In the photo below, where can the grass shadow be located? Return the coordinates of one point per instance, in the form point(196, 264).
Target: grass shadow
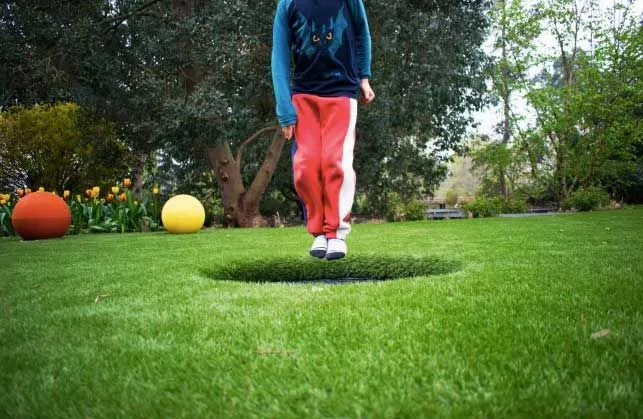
point(355, 268)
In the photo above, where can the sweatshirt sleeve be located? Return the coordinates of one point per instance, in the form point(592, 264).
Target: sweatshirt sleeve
point(362, 37)
point(280, 64)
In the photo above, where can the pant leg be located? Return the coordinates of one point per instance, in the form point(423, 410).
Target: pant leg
point(300, 203)
point(338, 118)
point(307, 161)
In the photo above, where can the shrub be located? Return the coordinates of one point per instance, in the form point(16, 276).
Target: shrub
point(451, 198)
point(394, 208)
point(57, 146)
point(587, 199)
point(361, 204)
point(514, 206)
point(399, 210)
point(483, 206)
point(414, 210)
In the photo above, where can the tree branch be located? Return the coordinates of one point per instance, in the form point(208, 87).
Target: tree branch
point(577, 22)
point(263, 176)
point(249, 140)
point(122, 18)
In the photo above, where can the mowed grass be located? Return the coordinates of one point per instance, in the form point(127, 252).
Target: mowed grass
point(544, 318)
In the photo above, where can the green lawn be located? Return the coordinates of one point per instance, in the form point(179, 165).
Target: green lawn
point(138, 325)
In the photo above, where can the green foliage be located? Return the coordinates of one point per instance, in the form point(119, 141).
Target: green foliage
point(484, 206)
point(452, 197)
point(129, 215)
point(514, 205)
point(586, 100)
point(361, 205)
point(180, 76)
point(414, 210)
point(399, 209)
point(58, 147)
point(395, 207)
point(275, 204)
point(497, 163)
point(490, 206)
point(587, 199)
point(421, 112)
point(6, 209)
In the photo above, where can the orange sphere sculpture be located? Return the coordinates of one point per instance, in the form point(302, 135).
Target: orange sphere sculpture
point(41, 215)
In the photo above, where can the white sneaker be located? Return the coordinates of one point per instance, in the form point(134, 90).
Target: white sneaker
point(336, 249)
point(318, 249)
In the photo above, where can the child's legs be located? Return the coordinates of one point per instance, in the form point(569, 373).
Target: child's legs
point(307, 161)
point(338, 117)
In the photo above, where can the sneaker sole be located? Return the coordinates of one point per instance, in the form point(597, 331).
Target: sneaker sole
point(318, 253)
point(335, 255)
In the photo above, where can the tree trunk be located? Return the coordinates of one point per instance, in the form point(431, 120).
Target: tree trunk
point(562, 173)
point(137, 172)
point(506, 95)
point(241, 206)
point(252, 198)
point(228, 176)
point(505, 141)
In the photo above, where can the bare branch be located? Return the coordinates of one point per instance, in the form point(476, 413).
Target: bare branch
point(251, 139)
point(578, 18)
point(121, 18)
point(263, 176)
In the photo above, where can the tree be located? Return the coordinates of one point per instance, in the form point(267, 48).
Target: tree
point(57, 147)
point(192, 78)
point(613, 115)
point(588, 101)
point(429, 77)
point(514, 31)
point(62, 51)
point(220, 98)
point(227, 98)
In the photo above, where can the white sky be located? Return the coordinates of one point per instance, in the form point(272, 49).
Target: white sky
point(489, 118)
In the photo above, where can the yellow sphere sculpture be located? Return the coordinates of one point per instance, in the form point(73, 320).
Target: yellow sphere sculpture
point(183, 214)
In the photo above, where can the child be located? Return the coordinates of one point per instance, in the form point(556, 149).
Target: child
point(331, 46)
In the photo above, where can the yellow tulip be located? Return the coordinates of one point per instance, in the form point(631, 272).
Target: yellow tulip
point(2, 202)
point(96, 190)
point(115, 190)
point(155, 190)
point(127, 182)
point(66, 194)
point(78, 198)
point(27, 191)
point(21, 192)
point(54, 193)
point(41, 189)
point(5, 197)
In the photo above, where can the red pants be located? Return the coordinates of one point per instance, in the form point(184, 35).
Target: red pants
point(323, 162)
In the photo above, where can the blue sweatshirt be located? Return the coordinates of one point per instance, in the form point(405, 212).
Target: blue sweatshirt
point(331, 46)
